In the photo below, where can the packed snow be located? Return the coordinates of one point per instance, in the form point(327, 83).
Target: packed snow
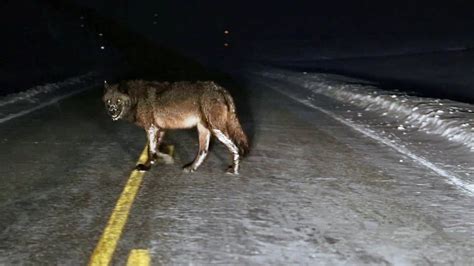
point(33, 94)
point(435, 133)
point(24, 102)
point(451, 120)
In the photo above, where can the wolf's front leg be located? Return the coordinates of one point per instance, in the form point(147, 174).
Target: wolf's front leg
point(166, 158)
point(153, 133)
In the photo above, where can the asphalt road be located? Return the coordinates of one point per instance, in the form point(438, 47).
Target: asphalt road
point(312, 191)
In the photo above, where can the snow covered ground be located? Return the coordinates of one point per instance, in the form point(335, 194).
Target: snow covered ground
point(436, 133)
point(27, 101)
point(330, 179)
point(316, 189)
point(341, 171)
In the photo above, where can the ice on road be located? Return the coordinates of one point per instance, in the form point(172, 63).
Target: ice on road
point(313, 190)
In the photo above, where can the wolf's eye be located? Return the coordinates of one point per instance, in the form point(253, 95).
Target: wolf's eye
point(108, 101)
point(119, 101)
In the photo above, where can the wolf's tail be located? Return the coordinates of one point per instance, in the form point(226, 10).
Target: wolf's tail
point(233, 126)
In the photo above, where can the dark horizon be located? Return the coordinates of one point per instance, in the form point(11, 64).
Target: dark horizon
point(331, 29)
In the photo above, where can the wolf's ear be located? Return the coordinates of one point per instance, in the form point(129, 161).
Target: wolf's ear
point(106, 86)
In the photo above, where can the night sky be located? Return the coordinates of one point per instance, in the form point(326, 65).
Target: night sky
point(201, 23)
point(33, 38)
point(181, 21)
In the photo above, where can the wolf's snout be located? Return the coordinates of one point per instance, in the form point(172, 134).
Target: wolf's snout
point(113, 110)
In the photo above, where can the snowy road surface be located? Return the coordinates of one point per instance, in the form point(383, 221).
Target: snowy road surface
point(315, 189)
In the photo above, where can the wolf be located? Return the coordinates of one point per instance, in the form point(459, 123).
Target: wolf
point(160, 106)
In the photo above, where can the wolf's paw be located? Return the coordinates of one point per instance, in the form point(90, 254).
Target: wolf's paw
point(142, 168)
point(232, 171)
point(154, 159)
point(188, 168)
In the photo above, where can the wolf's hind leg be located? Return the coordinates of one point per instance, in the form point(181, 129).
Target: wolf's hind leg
point(204, 139)
point(224, 138)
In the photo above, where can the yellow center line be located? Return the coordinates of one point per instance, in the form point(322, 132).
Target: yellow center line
point(108, 241)
point(139, 257)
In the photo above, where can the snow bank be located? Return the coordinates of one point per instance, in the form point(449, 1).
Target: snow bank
point(451, 120)
point(33, 94)
point(22, 103)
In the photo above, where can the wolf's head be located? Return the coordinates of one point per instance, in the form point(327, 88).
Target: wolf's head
point(117, 101)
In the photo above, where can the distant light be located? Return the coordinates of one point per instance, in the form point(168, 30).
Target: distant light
point(154, 22)
point(81, 17)
point(100, 34)
point(226, 45)
point(226, 32)
point(102, 47)
point(82, 25)
point(156, 15)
